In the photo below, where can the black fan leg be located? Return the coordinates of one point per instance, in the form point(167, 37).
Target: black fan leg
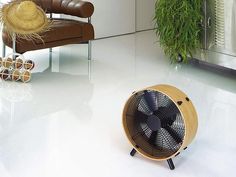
point(132, 153)
point(171, 164)
point(185, 148)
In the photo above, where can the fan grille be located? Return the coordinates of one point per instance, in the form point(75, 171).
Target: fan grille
point(155, 123)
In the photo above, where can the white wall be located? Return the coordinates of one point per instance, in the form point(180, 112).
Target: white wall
point(116, 17)
point(144, 14)
point(113, 17)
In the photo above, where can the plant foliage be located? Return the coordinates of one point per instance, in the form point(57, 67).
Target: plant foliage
point(178, 26)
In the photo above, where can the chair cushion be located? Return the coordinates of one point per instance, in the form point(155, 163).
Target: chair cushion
point(62, 32)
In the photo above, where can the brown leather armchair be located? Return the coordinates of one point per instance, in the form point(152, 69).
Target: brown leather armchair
point(63, 31)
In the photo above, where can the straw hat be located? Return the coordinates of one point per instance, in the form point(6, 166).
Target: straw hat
point(24, 18)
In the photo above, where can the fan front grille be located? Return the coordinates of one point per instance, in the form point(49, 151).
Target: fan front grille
point(155, 124)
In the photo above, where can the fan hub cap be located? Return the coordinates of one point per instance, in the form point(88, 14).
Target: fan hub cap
point(154, 123)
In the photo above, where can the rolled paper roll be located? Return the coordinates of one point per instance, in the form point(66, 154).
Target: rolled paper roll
point(5, 74)
point(16, 75)
point(0, 61)
point(29, 65)
point(1, 73)
point(11, 68)
point(18, 63)
point(25, 76)
point(7, 63)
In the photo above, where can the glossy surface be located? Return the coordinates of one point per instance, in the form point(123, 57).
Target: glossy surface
point(67, 120)
point(218, 33)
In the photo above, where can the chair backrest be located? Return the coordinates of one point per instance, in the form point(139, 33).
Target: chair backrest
point(45, 5)
point(78, 8)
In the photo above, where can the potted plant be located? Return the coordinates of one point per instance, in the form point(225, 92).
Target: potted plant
point(178, 25)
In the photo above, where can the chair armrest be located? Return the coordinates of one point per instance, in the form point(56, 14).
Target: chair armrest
point(77, 8)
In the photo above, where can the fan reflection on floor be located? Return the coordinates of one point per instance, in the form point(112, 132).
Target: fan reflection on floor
point(45, 95)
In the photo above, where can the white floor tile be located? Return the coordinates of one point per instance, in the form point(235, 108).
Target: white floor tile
point(67, 120)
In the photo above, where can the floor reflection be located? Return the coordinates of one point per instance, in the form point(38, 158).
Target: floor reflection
point(68, 118)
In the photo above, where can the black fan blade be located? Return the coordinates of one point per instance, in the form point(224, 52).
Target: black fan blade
point(150, 100)
point(168, 121)
point(172, 110)
point(153, 137)
point(168, 111)
point(141, 117)
point(174, 134)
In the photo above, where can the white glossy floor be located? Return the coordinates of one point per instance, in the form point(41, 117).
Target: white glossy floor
point(67, 121)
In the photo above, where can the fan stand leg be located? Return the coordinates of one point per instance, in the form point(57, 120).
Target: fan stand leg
point(14, 45)
point(171, 164)
point(132, 153)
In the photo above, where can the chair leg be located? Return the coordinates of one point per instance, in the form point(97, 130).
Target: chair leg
point(50, 58)
point(3, 50)
point(89, 44)
point(14, 46)
point(89, 50)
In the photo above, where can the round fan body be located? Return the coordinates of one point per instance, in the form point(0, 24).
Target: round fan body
point(159, 121)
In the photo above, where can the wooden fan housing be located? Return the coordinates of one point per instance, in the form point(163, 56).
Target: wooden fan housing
point(139, 140)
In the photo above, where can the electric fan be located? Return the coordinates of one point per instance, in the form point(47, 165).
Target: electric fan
point(159, 121)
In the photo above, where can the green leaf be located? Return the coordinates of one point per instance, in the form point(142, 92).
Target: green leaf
point(178, 26)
